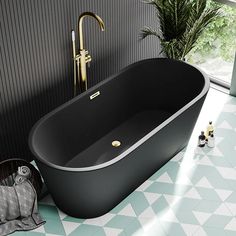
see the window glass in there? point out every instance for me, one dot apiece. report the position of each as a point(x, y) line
point(215, 49)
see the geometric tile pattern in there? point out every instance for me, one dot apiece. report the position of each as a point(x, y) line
point(193, 194)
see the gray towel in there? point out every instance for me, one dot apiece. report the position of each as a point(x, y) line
point(18, 207)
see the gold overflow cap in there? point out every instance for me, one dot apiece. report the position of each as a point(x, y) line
point(116, 143)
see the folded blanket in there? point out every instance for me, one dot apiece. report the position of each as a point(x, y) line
point(18, 206)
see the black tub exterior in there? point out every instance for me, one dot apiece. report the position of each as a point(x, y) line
point(91, 192)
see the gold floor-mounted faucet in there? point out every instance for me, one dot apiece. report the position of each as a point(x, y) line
point(83, 57)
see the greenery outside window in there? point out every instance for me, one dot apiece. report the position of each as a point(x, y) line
point(215, 49)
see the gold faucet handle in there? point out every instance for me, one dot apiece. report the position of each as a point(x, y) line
point(88, 58)
point(77, 57)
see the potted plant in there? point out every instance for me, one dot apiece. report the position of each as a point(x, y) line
point(181, 22)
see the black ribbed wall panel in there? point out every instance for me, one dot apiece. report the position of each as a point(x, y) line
point(35, 56)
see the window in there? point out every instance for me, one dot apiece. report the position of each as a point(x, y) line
point(215, 49)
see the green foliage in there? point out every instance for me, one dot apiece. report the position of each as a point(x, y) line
point(181, 24)
point(219, 39)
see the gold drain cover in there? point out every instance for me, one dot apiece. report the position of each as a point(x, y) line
point(116, 143)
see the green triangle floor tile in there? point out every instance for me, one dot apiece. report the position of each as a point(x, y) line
point(208, 194)
point(220, 161)
point(133, 227)
point(207, 206)
point(121, 234)
point(211, 231)
point(33, 234)
point(54, 227)
point(121, 205)
point(218, 221)
point(151, 227)
point(186, 217)
point(138, 202)
point(232, 184)
point(86, 230)
point(167, 188)
point(216, 179)
point(231, 159)
point(99, 232)
point(73, 219)
point(161, 171)
point(174, 171)
point(231, 198)
point(120, 222)
point(113, 232)
point(173, 229)
point(69, 227)
point(186, 204)
point(160, 206)
point(200, 172)
point(229, 233)
point(19, 233)
point(48, 212)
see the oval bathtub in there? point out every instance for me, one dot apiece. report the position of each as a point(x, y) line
point(150, 108)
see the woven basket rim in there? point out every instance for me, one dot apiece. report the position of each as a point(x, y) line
point(37, 179)
point(14, 159)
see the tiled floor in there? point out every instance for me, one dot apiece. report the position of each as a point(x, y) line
point(193, 194)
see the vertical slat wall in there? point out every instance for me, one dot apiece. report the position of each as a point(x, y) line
point(36, 69)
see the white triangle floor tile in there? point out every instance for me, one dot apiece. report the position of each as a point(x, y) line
point(39, 230)
point(192, 193)
point(231, 207)
point(227, 172)
point(178, 157)
point(169, 216)
point(218, 140)
point(165, 178)
point(145, 221)
point(204, 183)
point(147, 226)
point(127, 211)
point(201, 217)
point(151, 197)
point(225, 125)
point(223, 194)
point(205, 161)
point(229, 108)
point(199, 150)
point(99, 221)
point(200, 232)
point(223, 210)
point(215, 152)
point(53, 235)
point(171, 199)
point(183, 179)
point(148, 213)
point(189, 229)
point(112, 231)
point(144, 186)
point(61, 214)
point(231, 225)
point(104, 219)
point(70, 226)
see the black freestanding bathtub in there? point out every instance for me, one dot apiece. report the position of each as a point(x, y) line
point(149, 109)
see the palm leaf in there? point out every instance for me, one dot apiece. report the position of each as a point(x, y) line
point(181, 22)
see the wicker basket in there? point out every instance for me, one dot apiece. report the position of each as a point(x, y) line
point(8, 171)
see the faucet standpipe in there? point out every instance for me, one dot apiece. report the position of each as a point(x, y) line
point(81, 59)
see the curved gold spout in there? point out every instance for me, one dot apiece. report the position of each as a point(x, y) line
point(80, 21)
point(83, 57)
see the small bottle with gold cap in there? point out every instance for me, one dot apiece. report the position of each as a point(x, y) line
point(209, 130)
